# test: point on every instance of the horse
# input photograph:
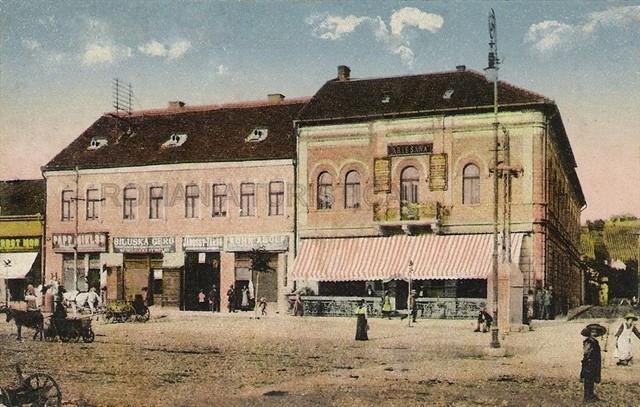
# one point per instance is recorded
(30, 319)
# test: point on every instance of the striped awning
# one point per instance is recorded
(384, 258)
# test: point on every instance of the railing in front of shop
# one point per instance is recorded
(428, 308)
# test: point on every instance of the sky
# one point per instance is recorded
(58, 61)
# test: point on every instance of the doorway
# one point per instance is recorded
(201, 272)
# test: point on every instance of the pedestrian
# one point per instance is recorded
(386, 305)
(538, 302)
(298, 309)
(484, 321)
(591, 360)
(231, 298)
(244, 305)
(202, 301)
(530, 305)
(213, 299)
(263, 306)
(623, 339)
(30, 298)
(370, 292)
(546, 304)
(413, 305)
(362, 326)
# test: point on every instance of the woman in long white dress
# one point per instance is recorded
(624, 336)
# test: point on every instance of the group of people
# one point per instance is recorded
(244, 300)
(210, 302)
(540, 305)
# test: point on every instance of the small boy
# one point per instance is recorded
(591, 360)
(263, 306)
(484, 321)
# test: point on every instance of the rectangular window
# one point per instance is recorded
(192, 196)
(247, 199)
(93, 202)
(219, 200)
(156, 197)
(276, 198)
(67, 201)
(130, 202)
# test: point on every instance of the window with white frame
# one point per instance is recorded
(352, 190)
(156, 199)
(219, 200)
(130, 202)
(409, 181)
(93, 203)
(67, 202)
(247, 199)
(276, 198)
(325, 191)
(191, 199)
(471, 185)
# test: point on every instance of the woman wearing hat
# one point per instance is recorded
(591, 359)
(362, 324)
(623, 342)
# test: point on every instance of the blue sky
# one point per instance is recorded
(57, 61)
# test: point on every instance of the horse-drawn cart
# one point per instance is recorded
(38, 389)
(70, 329)
(120, 311)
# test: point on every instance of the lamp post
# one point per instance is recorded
(492, 75)
(410, 270)
(637, 234)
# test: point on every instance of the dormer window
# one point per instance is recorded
(386, 98)
(258, 134)
(447, 94)
(96, 143)
(175, 140)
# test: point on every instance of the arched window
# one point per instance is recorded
(325, 191)
(409, 179)
(471, 184)
(352, 190)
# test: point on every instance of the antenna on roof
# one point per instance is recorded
(122, 96)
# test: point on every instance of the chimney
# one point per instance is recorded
(176, 104)
(275, 98)
(461, 68)
(343, 73)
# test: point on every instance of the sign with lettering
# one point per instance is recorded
(246, 243)
(19, 244)
(438, 172)
(202, 243)
(155, 244)
(409, 149)
(381, 175)
(87, 242)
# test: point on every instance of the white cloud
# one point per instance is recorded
(333, 28)
(222, 70)
(412, 17)
(95, 54)
(30, 44)
(550, 35)
(176, 50)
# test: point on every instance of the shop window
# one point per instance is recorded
(471, 185)
(192, 196)
(156, 198)
(352, 190)
(325, 191)
(130, 202)
(67, 202)
(219, 200)
(247, 199)
(409, 181)
(93, 200)
(276, 198)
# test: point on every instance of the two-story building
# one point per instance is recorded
(399, 170)
(168, 202)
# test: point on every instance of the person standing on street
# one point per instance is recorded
(202, 298)
(546, 304)
(413, 305)
(538, 303)
(213, 299)
(623, 339)
(362, 325)
(231, 298)
(530, 305)
(591, 360)
(386, 305)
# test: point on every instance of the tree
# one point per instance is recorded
(260, 264)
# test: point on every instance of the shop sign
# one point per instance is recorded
(409, 149)
(381, 175)
(438, 172)
(202, 243)
(154, 244)
(245, 243)
(19, 244)
(87, 242)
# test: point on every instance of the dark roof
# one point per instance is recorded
(22, 197)
(415, 94)
(214, 133)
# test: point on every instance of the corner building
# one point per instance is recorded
(398, 170)
(168, 202)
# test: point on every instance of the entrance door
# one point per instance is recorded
(402, 292)
(202, 272)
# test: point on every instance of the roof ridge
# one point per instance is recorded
(211, 107)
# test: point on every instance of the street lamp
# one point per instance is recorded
(410, 269)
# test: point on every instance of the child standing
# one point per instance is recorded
(591, 360)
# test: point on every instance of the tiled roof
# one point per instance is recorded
(214, 133)
(22, 197)
(357, 98)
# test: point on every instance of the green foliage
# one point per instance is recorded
(260, 260)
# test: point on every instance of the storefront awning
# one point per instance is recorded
(383, 258)
(16, 265)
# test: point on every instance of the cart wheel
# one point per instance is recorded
(145, 315)
(75, 335)
(65, 336)
(89, 336)
(4, 398)
(47, 389)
